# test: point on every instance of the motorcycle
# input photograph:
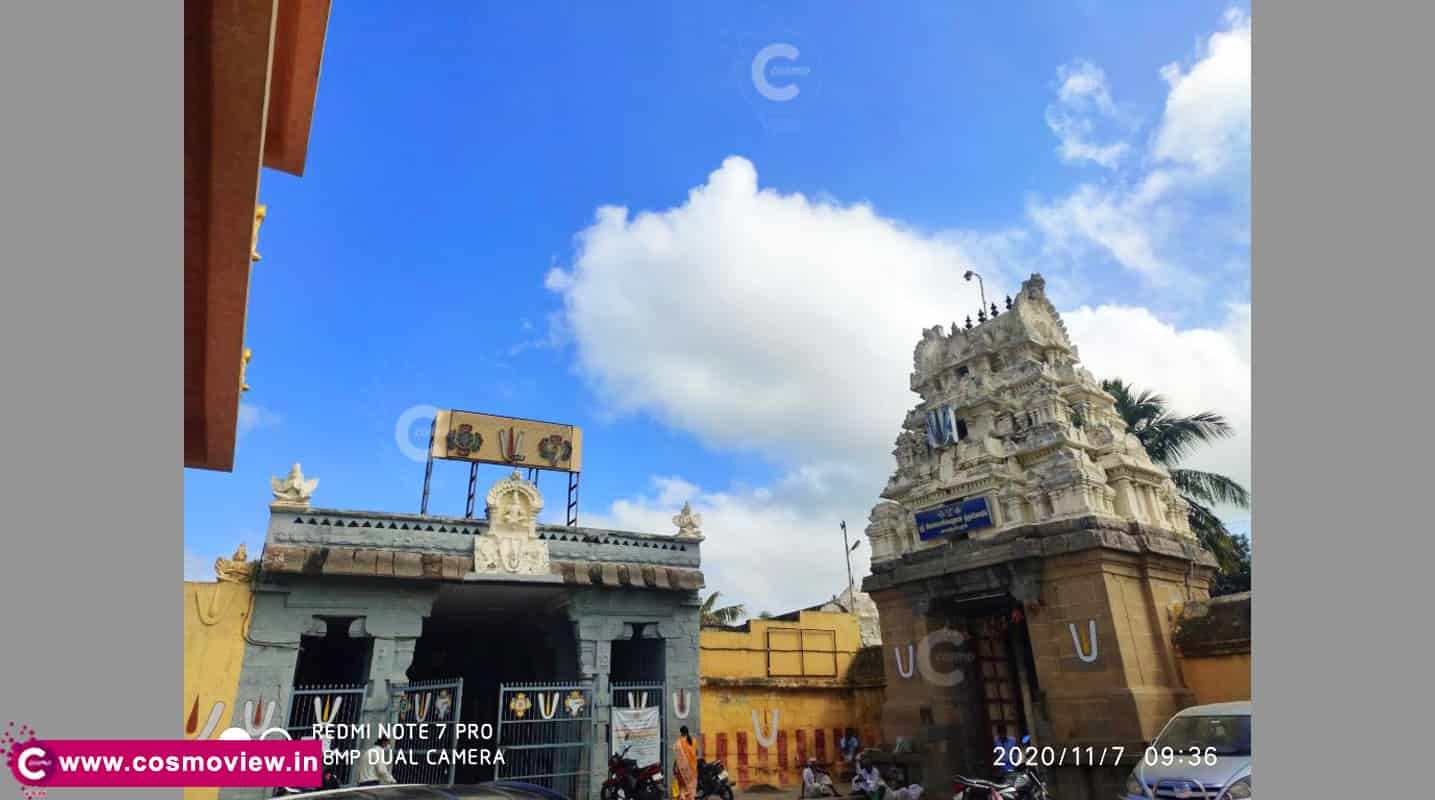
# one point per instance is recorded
(1023, 783)
(713, 780)
(627, 781)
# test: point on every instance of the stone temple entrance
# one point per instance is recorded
(992, 654)
(490, 635)
(1017, 484)
(490, 608)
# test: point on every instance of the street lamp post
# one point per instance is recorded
(980, 286)
(851, 585)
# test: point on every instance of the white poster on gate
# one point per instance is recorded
(638, 730)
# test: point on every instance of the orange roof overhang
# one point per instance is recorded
(251, 72)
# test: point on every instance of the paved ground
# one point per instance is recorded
(766, 794)
(760, 794)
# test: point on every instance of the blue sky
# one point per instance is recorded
(735, 328)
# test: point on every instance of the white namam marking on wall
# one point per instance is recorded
(253, 726)
(682, 703)
(1081, 648)
(213, 722)
(771, 738)
(905, 672)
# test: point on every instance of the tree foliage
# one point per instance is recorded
(1168, 438)
(715, 616)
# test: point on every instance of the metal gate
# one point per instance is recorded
(429, 711)
(640, 696)
(545, 735)
(337, 704)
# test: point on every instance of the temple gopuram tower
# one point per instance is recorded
(1027, 559)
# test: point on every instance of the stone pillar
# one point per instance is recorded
(395, 636)
(270, 656)
(600, 616)
(595, 637)
(283, 614)
(929, 684)
(682, 671)
(1101, 638)
(1125, 500)
(266, 679)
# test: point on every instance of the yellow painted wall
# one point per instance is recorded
(736, 682)
(1218, 679)
(214, 620)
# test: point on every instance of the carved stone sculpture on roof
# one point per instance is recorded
(909, 448)
(689, 524)
(294, 490)
(235, 569)
(884, 526)
(511, 544)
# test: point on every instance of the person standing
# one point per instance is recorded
(1007, 751)
(373, 767)
(850, 746)
(686, 751)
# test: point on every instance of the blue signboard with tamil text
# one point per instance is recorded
(957, 516)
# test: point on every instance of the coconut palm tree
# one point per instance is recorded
(1168, 438)
(712, 616)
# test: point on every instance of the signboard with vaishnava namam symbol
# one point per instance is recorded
(511, 441)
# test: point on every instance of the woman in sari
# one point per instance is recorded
(686, 767)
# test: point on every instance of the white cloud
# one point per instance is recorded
(553, 337)
(784, 325)
(1207, 122)
(775, 548)
(1200, 369)
(742, 315)
(252, 416)
(1189, 200)
(1083, 103)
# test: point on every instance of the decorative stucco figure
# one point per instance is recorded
(294, 490)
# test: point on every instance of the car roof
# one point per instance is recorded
(1232, 709)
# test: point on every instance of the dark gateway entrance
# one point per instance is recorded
(491, 634)
(999, 672)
